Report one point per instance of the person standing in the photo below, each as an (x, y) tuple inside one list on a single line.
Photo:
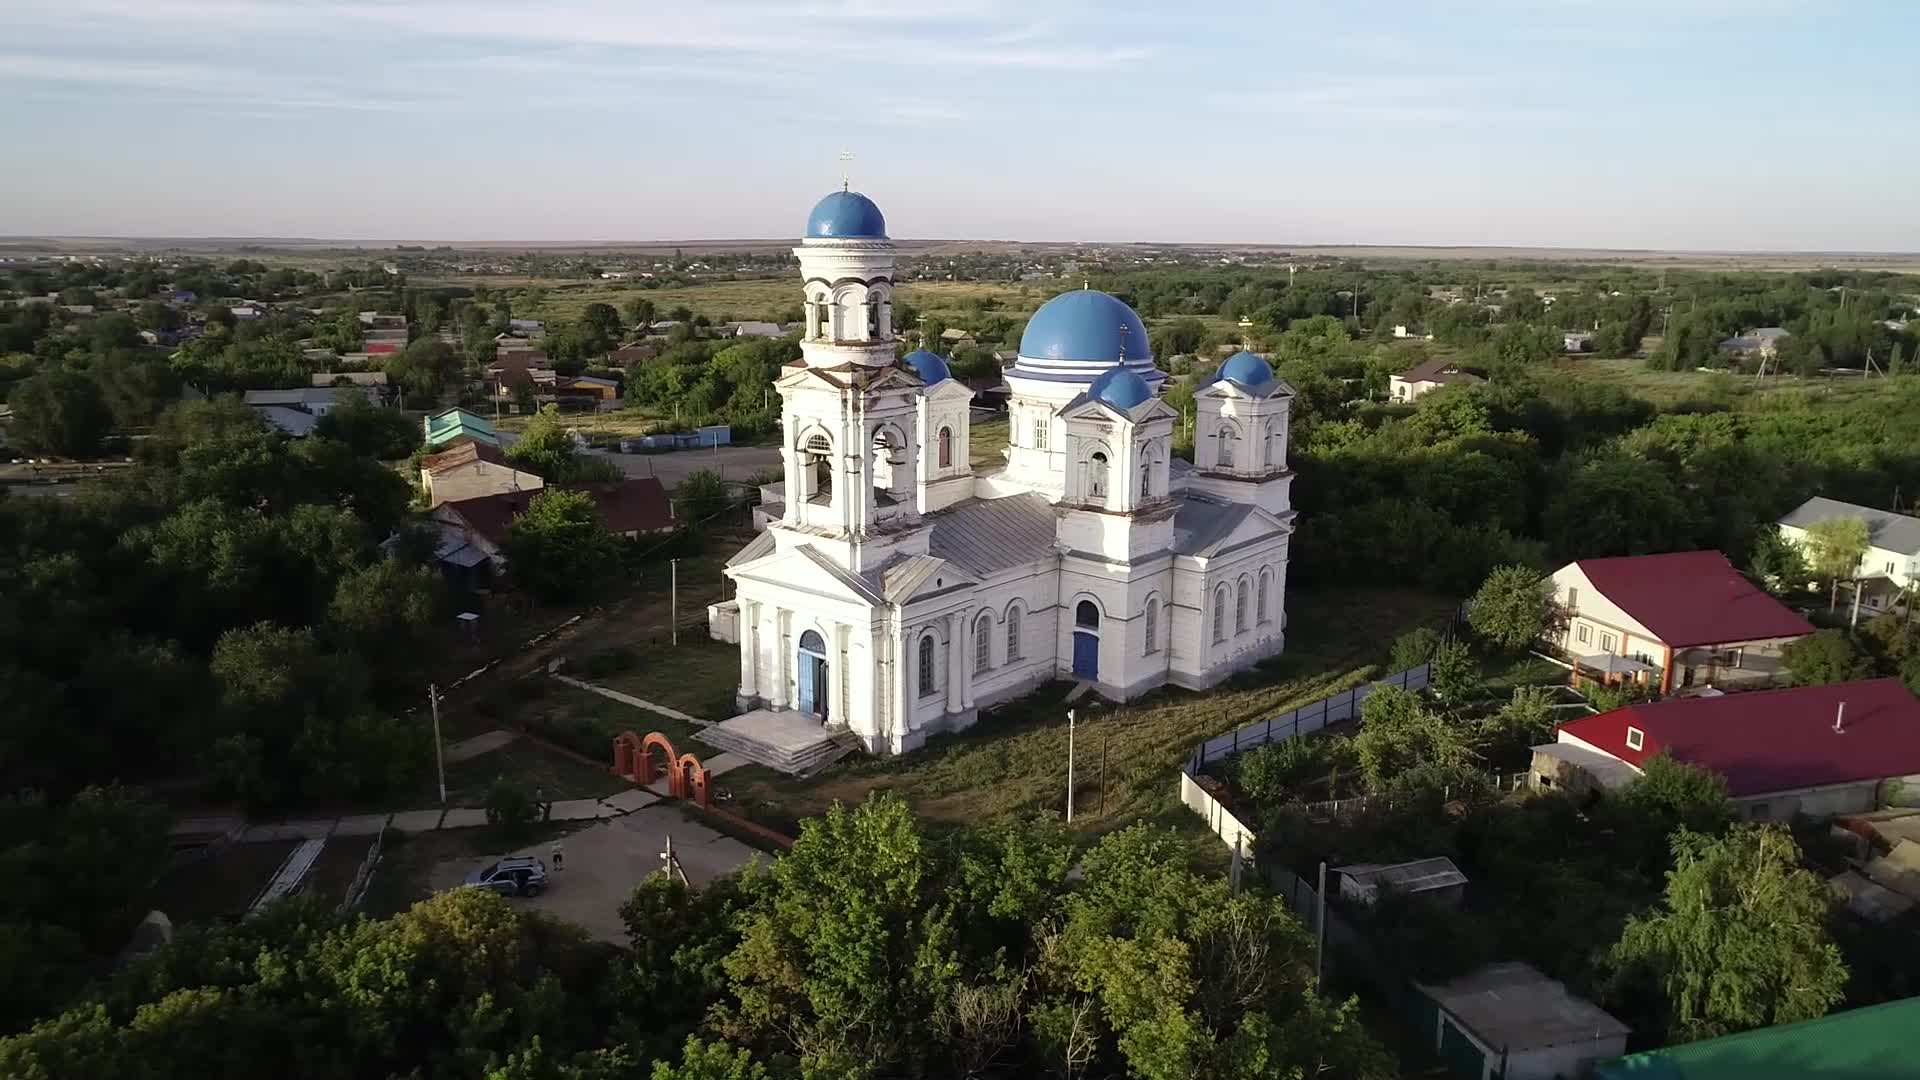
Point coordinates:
[(557, 856)]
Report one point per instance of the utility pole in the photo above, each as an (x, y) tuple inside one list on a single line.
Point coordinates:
[(1105, 738), (673, 599), (1320, 926), (1069, 766), (439, 755)]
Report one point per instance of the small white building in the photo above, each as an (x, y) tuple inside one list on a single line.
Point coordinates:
[(1410, 386), (1510, 1021), (900, 591)]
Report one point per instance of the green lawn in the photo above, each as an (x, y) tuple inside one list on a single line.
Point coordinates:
[(1670, 387), (583, 721), (1014, 759), (534, 768), (986, 439), (697, 676)]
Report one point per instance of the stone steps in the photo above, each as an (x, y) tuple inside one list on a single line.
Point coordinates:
[(831, 746)]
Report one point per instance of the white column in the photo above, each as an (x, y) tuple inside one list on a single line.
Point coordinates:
[(956, 671), (967, 659), (749, 646), (778, 697)]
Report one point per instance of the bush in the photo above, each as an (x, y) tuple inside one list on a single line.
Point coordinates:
[(510, 810), (1283, 771), (1456, 673), (1413, 648)]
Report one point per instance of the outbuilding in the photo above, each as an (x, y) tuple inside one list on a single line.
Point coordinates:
[(1510, 1021)]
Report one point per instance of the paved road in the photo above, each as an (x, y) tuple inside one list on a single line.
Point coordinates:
[(604, 862)]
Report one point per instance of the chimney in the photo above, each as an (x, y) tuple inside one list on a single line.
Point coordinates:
[(1840, 719)]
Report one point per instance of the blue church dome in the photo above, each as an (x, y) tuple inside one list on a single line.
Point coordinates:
[(929, 366), (1120, 388), (1085, 325), (1246, 369), (846, 215)]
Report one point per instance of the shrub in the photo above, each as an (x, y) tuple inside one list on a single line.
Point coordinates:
[(1413, 648), (510, 810)]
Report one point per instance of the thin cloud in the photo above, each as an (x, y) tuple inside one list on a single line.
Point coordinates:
[(191, 79)]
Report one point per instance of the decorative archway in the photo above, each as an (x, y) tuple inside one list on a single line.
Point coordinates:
[(812, 682), (1086, 640), (686, 777)]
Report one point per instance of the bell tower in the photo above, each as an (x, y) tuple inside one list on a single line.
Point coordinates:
[(852, 442)]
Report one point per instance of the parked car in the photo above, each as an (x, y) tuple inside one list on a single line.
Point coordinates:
[(516, 876)]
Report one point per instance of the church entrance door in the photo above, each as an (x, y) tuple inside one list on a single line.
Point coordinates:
[(1086, 655), (813, 675)]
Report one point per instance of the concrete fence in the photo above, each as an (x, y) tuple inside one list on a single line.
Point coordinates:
[(1231, 830), (1304, 720)]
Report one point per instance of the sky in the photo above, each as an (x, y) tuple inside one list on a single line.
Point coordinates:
[(1732, 125)]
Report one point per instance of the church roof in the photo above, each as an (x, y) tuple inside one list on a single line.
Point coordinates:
[(846, 215), (1199, 525), (986, 536)]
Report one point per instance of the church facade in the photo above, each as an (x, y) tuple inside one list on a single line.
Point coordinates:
[(900, 589)]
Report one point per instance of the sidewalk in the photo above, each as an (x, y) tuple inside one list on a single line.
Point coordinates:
[(629, 699), (461, 817)]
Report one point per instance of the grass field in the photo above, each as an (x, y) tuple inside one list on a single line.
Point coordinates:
[(697, 677), (986, 440), (1014, 759), (1671, 387)]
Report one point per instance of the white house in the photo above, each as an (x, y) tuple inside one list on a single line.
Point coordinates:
[(900, 591), (1892, 562), (1410, 385)]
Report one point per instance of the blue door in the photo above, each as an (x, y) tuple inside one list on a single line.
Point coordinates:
[(812, 689), (1086, 655)]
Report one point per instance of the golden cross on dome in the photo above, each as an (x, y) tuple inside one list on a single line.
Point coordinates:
[(1123, 341), (846, 159)]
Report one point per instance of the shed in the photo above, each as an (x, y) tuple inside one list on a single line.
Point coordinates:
[(1434, 880), (714, 435), (1510, 1021), (1876, 1041)]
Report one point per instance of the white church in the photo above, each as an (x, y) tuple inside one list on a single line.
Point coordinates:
[(899, 589)]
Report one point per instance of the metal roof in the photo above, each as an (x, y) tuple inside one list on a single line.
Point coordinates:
[(1514, 1007), (986, 536), (1874, 1041), (1199, 525), (1885, 529), (1420, 875)]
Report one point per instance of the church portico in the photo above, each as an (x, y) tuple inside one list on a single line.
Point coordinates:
[(899, 593)]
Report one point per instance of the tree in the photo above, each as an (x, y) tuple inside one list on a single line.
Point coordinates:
[(424, 367), (1826, 656), (383, 434), (700, 495), (1779, 563), (640, 313), (1398, 733), (1741, 941), (546, 447), (710, 1061), (603, 322), (1455, 672), (60, 412), (1834, 550), (560, 548), (1512, 608)]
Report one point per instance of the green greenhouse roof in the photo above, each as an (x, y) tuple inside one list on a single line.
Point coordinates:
[(1876, 1042)]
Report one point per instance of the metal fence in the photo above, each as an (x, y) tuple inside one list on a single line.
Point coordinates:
[(363, 877), (1304, 720)]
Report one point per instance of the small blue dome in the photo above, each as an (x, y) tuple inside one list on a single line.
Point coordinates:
[(1085, 324), (1246, 369), (846, 215), (929, 366), (1120, 388)]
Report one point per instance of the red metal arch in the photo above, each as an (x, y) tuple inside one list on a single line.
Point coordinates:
[(686, 777)]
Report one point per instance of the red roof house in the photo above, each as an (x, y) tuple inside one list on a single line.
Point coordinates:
[(1688, 617), (632, 507), (1811, 749)]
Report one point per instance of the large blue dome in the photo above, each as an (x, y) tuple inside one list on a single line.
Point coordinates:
[(1085, 325), (1246, 369), (1120, 388), (929, 366), (846, 215)]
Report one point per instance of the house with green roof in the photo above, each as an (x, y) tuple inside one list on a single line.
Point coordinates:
[(1874, 1043), (444, 427)]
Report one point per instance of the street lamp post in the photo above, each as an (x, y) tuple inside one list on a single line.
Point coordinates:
[(1069, 766)]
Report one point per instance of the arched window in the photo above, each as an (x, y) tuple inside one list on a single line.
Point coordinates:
[(1240, 608), (1260, 609), (1146, 475), (983, 643), (1086, 615), (818, 467), (1276, 447), (1227, 440), (1014, 616), (1153, 627), (873, 317), (946, 448), (927, 680), (1097, 476), (1220, 615)]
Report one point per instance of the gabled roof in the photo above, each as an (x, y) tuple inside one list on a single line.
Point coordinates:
[(986, 536), (904, 577), (1690, 598), (1765, 741), (465, 451), (1201, 525), (1515, 1007), (637, 504), (445, 426), (757, 548), (1885, 529), (1438, 370), (1420, 875)]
